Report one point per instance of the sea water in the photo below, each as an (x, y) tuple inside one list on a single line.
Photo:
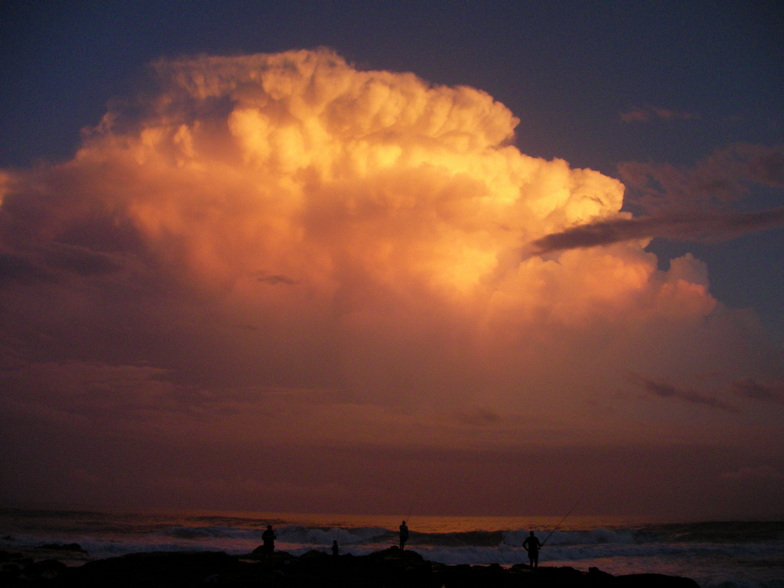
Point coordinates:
[(726, 554)]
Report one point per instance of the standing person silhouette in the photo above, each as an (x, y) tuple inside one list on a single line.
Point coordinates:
[(268, 538), (532, 546), (403, 534)]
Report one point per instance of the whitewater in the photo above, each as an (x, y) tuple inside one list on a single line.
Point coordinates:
[(722, 554)]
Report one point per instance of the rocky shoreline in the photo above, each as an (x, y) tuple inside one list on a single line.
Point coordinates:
[(390, 568)]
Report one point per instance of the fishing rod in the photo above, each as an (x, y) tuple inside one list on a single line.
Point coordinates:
[(561, 521), (404, 528)]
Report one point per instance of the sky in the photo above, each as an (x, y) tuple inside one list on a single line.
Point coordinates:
[(487, 258)]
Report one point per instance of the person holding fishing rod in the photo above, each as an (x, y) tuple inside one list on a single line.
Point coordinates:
[(532, 544), (404, 529), (403, 535)]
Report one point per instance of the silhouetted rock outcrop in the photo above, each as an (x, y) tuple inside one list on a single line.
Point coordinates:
[(389, 568), (653, 581)]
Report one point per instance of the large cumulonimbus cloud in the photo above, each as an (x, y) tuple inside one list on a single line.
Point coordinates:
[(285, 233)]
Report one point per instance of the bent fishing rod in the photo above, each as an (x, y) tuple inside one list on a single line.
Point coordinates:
[(561, 521)]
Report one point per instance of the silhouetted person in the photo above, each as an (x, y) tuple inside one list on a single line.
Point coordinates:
[(532, 546), (268, 538), (335, 548), (403, 534)]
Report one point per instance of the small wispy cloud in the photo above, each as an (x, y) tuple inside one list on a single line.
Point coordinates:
[(476, 416), (648, 113), (274, 279), (727, 175), (756, 391), (664, 390), (762, 472), (686, 204)]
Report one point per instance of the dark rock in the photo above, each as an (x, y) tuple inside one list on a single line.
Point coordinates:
[(153, 570), (9, 569), (389, 568), (47, 569), (597, 573), (654, 581), (9, 556), (17, 570)]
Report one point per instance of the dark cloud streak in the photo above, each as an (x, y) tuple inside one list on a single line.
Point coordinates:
[(648, 112), (15, 268), (756, 391), (663, 390), (693, 225)]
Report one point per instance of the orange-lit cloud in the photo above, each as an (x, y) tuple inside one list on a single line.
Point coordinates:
[(283, 251)]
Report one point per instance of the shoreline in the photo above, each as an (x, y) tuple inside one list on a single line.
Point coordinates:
[(45, 566)]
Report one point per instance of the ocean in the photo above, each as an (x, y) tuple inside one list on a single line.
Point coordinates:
[(729, 554)]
